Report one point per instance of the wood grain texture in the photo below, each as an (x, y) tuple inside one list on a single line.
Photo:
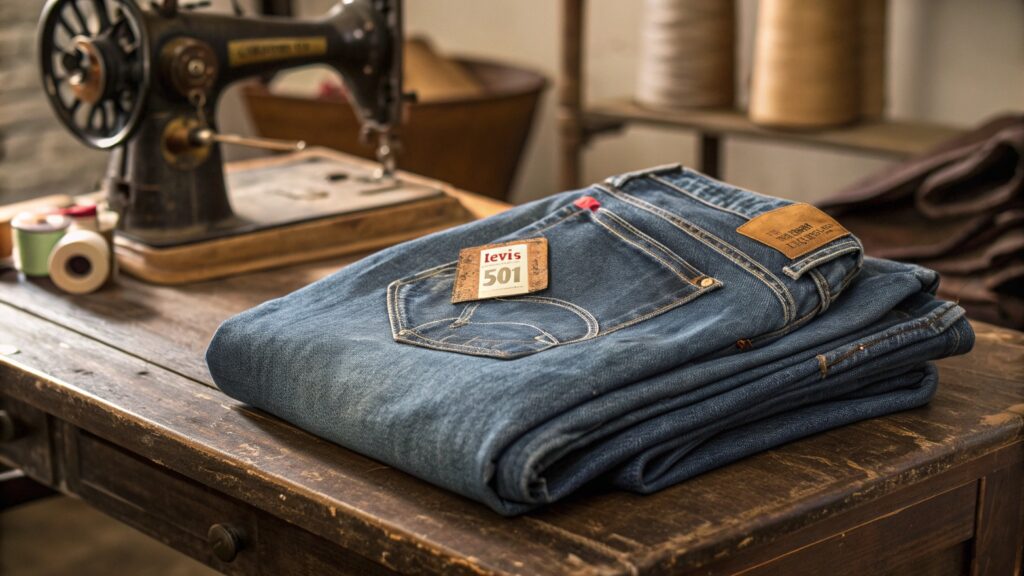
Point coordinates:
[(150, 408)]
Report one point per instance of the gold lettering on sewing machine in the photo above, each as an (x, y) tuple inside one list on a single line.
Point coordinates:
[(242, 52)]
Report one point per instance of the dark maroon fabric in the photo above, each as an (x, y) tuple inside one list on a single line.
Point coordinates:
[(958, 209)]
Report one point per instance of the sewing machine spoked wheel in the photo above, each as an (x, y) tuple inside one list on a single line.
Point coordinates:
[(95, 62)]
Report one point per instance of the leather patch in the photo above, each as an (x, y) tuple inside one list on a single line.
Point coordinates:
[(794, 230), (503, 269)]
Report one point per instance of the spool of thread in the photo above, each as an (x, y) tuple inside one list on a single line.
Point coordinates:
[(806, 72), (80, 262), (872, 57), (687, 54), (83, 216), (35, 235)]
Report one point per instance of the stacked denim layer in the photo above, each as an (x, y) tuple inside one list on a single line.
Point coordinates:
[(665, 345)]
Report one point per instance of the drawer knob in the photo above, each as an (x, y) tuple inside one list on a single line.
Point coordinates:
[(9, 429), (225, 541)]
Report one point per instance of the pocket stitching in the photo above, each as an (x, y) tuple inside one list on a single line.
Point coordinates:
[(451, 347), (537, 328), (395, 307), (593, 327), (467, 313)]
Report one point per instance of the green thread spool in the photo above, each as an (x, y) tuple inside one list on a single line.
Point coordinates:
[(35, 235)]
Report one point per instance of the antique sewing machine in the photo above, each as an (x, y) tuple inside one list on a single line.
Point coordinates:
[(144, 81)]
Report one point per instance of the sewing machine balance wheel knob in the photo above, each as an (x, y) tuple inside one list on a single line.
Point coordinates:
[(95, 64)]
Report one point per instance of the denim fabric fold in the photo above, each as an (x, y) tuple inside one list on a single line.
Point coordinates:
[(663, 331)]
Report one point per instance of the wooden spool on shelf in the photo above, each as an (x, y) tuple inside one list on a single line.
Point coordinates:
[(687, 54), (806, 72)]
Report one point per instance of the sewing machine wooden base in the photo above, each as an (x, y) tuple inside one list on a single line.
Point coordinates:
[(301, 222)]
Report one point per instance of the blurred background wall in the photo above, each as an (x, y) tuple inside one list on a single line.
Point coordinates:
[(951, 61)]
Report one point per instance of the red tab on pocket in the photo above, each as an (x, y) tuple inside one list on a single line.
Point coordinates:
[(587, 203)]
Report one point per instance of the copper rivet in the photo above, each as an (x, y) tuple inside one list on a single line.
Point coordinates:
[(707, 282)]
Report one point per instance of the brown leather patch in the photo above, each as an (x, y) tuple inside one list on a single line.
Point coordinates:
[(503, 269), (794, 230)]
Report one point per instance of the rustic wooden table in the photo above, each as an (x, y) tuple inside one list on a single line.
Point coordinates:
[(111, 401)]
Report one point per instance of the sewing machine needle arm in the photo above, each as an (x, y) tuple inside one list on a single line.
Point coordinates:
[(205, 136)]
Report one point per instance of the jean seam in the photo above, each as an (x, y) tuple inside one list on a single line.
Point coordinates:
[(674, 304), (593, 327), (573, 211), (720, 246), (645, 238), (624, 178), (429, 323), (677, 188), (788, 327), (640, 247), (534, 326), (823, 291), (417, 338), (927, 322), (467, 313), (796, 269), (395, 300)]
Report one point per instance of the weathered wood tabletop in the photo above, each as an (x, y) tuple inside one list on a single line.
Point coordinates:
[(116, 405)]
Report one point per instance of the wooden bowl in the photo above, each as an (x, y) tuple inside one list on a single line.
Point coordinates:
[(474, 143)]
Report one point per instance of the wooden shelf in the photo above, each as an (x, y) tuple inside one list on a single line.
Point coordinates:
[(888, 138)]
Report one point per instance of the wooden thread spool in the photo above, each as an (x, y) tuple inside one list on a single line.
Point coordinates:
[(687, 54), (872, 58), (806, 72)]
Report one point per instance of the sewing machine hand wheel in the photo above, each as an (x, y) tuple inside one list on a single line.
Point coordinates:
[(95, 62)]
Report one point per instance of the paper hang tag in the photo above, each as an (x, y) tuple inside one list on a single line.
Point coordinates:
[(504, 269), (794, 230)]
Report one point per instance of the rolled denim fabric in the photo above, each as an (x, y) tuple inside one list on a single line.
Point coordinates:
[(669, 341)]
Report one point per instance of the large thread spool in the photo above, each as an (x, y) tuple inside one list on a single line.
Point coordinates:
[(687, 54), (35, 235), (80, 262), (806, 71)]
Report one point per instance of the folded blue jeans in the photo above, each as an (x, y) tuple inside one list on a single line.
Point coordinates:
[(666, 344)]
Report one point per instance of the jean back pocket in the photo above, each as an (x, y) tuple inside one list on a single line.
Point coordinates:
[(605, 274)]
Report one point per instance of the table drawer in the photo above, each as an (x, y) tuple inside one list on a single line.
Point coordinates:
[(190, 517), (180, 512), (930, 536), (25, 440)]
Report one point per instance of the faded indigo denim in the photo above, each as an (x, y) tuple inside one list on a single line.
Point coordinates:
[(665, 345)]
